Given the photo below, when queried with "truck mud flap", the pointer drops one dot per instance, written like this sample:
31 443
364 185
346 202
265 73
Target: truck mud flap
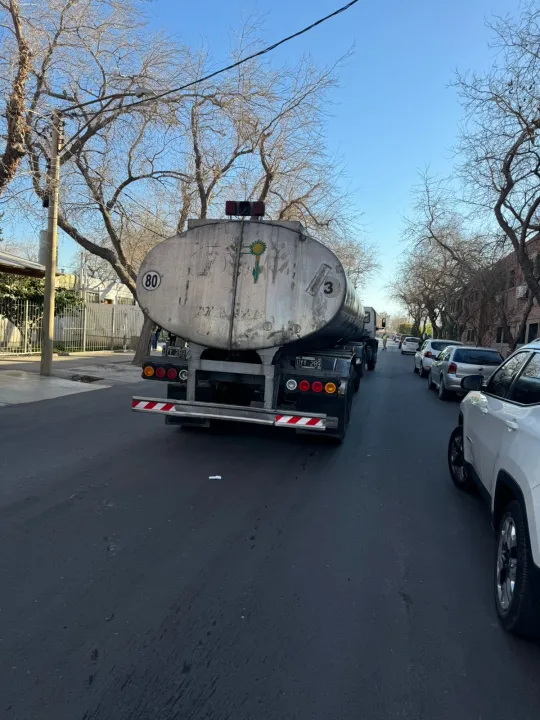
317 422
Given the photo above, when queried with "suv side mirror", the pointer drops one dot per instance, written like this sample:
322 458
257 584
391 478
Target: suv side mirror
472 382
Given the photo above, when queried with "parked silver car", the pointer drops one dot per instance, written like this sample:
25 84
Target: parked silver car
455 363
430 351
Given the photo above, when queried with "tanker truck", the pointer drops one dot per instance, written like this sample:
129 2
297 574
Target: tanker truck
263 326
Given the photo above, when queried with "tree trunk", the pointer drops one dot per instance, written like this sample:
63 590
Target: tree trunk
143 346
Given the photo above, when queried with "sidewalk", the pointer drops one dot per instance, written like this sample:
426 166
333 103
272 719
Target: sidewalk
20 381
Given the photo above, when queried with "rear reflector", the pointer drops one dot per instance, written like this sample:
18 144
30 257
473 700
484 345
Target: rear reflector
304 385
148 371
452 369
160 373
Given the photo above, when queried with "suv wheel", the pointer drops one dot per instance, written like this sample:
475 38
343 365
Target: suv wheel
456 461
515 593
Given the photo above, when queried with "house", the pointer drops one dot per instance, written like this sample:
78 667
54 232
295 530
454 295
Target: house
497 302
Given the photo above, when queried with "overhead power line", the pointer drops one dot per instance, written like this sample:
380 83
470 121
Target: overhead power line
259 53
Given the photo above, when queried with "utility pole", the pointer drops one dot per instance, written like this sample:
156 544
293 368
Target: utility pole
52 246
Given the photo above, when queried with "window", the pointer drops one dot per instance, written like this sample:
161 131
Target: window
439 345
444 355
512 278
470 335
521 340
502 336
533 332
526 389
502 378
477 357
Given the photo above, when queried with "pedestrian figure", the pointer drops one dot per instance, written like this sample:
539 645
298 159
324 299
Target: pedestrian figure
384 341
155 337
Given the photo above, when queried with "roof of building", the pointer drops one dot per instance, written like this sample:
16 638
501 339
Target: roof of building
10 263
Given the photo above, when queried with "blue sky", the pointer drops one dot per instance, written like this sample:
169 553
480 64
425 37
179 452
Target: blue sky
394 113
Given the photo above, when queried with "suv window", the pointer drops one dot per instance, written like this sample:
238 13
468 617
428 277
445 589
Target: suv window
502 378
478 357
526 389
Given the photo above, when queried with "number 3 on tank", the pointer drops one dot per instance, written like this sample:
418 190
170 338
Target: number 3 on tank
151 280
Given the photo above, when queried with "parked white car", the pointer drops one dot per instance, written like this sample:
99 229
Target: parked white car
497 447
410 345
429 352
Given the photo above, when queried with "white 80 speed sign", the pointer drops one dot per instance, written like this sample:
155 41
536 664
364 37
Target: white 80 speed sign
151 280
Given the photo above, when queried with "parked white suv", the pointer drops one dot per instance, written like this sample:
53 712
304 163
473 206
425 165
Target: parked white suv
497 448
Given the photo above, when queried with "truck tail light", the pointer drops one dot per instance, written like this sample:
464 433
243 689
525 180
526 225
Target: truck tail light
244 208
172 374
317 387
452 369
160 373
148 371
330 388
183 375
304 385
291 385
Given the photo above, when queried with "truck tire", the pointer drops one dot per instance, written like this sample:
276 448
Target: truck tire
371 359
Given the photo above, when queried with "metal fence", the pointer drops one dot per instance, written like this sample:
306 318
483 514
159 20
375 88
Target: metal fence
89 327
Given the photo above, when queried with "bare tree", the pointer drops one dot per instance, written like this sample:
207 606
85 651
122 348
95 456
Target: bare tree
16 64
256 134
499 140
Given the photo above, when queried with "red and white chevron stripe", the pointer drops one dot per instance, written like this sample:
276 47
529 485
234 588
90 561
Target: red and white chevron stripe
299 421
165 407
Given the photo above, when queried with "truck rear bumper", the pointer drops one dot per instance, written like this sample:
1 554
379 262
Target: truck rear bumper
318 422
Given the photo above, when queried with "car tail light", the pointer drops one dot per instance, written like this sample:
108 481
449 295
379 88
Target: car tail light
148 371
172 374
160 373
330 388
317 387
452 369
429 354
291 385
304 385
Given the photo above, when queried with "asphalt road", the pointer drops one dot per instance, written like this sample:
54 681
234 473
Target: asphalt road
309 583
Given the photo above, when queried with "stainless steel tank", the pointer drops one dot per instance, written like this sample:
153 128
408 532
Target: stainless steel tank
248 285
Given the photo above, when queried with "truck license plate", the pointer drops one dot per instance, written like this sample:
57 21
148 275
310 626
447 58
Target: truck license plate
309 362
